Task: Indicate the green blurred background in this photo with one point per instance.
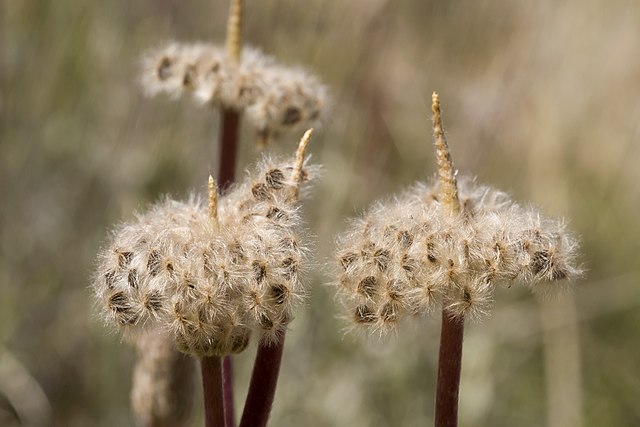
(540, 98)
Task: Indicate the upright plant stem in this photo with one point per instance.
(449, 366)
(212, 387)
(229, 132)
(228, 150)
(264, 380)
(227, 391)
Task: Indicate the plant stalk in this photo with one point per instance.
(227, 391)
(449, 367)
(228, 139)
(211, 368)
(264, 380)
(228, 151)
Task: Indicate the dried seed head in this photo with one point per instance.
(210, 286)
(446, 244)
(274, 98)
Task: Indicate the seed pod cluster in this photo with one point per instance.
(209, 281)
(406, 256)
(273, 97)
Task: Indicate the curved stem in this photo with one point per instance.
(264, 380)
(449, 367)
(212, 388)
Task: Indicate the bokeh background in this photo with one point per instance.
(540, 98)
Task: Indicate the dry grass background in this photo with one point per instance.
(540, 98)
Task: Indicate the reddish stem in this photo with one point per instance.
(229, 132)
(449, 366)
(264, 380)
(227, 390)
(212, 391)
(228, 150)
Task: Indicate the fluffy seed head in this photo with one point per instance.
(210, 274)
(408, 255)
(446, 244)
(273, 98)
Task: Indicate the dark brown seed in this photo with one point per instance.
(260, 191)
(368, 249)
(275, 179)
(153, 301)
(279, 293)
(153, 263)
(132, 278)
(259, 271)
(118, 301)
(347, 259)
(394, 289)
(405, 239)
(120, 305)
(110, 279)
(541, 262)
(292, 115)
(430, 252)
(164, 69)
(124, 258)
(275, 213)
(186, 283)
(367, 286)
(381, 258)
(389, 312)
(466, 295)
(288, 243)
(364, 314)
(408, 263)
(236, 251)
(265, 322)
(291, 267)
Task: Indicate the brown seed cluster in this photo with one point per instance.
(272, 97)
(209, 283)
(409, 255)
